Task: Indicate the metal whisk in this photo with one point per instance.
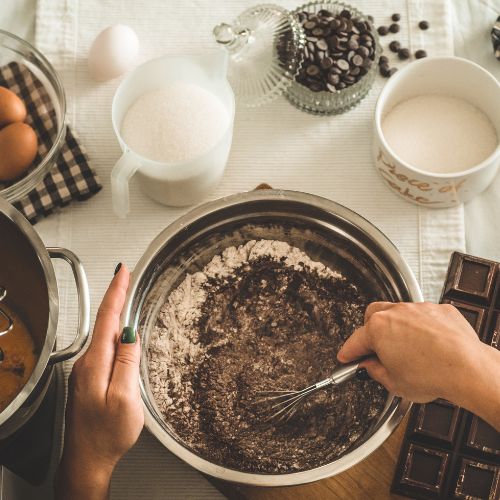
(284, 403)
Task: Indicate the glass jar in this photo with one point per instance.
(14, 49)
(327, 102)
(267, 46)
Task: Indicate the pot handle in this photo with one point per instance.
(82, 288)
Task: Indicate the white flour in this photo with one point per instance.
(176, 123)
(439, 134)
(174, 344)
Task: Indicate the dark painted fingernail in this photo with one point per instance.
(117, 268)
(128, 335)
(362, 374)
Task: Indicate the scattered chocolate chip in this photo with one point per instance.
(383, 60)
(394, 46)
(419, 54)
(346, 14)
(423, 25)
(387, 72)
(382, 30)
(404, 54)
(394, 28)
(396, 17)
(384, 70)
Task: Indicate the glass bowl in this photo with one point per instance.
(326, 102)
(14, 49)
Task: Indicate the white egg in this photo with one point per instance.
(113, 52)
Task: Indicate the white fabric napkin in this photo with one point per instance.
(276, 144)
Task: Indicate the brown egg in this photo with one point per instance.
(18, 147)
(12, 109)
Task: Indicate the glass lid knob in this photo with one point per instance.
(265, 46)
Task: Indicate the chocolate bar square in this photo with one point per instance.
(473, 314)
(474, 277)
(483, 437)
(438, 419)
(425, 468)
(477, 480)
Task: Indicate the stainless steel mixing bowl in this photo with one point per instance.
(328, 232)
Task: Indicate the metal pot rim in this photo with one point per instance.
(344, 462)
(53, 299)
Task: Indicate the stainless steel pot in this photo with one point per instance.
(328, 232)
(26, 271)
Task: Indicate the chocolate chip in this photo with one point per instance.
(357, 60)
(384, 70)
(363, 51)
(339, 50)
(322, 45)
(333, 78)
(423, 25)
(396, 17)
(312, 70)
(353, 44)
(394, 46)
(419, 54)
(326, 62)
(394, 28)
(387, 72)
(382, 30)
(342, 64)
(403, 54)
(383, 60)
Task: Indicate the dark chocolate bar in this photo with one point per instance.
(448, 452)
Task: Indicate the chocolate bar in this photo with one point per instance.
(448, 452)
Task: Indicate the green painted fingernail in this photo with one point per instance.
(128, 335)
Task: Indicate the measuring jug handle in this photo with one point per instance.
(121, 174)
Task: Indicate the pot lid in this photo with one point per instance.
(265, 46)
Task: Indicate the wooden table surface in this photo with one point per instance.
(369, 480)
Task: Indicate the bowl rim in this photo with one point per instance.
(23, 186)
(388, 89)
(394, 415)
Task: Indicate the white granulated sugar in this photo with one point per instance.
(439, 133)
(174, 345)
(175, 123)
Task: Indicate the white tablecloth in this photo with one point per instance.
(275, 144)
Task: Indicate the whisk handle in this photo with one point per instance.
(346, 372)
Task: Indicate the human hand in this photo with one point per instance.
(104, 414)
(424, 350)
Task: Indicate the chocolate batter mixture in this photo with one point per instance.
(270, 325)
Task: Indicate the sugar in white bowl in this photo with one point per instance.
(175, 123)
(439, 134)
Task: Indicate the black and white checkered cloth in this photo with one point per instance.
(71, 177)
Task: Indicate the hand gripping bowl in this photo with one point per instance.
(328, 232)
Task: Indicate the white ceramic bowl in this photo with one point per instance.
(451, 76)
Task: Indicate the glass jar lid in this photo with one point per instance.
(265, 44)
